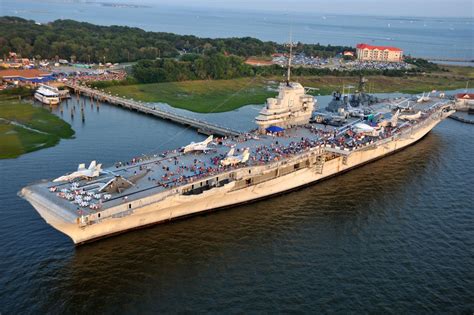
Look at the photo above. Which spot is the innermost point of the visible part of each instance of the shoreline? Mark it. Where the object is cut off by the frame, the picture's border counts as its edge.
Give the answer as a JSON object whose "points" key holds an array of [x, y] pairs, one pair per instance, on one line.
{"points": [[213, 96], [26, 128]]}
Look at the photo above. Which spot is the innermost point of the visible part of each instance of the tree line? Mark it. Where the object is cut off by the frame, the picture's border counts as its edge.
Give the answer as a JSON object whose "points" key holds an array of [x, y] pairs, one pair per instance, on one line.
{"points": [[86, 42], [215, 65]]}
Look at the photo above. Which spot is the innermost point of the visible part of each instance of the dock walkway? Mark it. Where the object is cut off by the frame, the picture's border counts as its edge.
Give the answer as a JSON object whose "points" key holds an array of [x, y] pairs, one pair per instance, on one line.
{"points": [[462, 119], [201, 126]]}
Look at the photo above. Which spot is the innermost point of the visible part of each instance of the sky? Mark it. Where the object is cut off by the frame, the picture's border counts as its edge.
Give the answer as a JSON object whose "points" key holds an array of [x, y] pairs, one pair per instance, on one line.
{"points": [[428, 8]]}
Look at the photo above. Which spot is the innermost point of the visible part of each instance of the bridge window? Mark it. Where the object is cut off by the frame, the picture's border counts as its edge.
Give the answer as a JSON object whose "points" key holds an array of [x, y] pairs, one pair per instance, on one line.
{"points": [[129, 206]]}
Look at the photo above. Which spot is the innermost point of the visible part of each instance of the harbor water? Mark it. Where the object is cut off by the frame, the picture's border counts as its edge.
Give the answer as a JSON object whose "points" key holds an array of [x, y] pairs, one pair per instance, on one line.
{"points": [[394, 236], [433, 37]]}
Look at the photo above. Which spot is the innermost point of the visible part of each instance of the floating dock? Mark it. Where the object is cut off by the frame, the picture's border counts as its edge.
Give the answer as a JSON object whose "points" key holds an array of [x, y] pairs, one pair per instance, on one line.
{"points": [[200, 125]]}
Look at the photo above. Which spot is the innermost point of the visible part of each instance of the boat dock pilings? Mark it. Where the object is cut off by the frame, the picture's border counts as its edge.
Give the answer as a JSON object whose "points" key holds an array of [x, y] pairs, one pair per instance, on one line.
{"points": [[200, 125]]}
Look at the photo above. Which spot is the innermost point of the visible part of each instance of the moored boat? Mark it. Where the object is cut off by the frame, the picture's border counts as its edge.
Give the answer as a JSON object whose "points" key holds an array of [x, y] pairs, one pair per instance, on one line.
{"points": [[47, 94]]}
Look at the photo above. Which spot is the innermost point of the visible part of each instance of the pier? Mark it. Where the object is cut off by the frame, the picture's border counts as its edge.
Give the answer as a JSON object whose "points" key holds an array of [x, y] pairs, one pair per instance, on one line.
{"points": [[460, 118], [201, 126]]}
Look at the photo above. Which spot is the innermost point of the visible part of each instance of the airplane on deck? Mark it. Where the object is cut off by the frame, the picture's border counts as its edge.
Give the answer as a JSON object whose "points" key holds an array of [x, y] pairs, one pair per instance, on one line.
{"points": [[404, 105], [232, 159], [390, 122], [199, 146], [354, 111], [411, 117], [423, 98], [365, 129], [92, 171]]}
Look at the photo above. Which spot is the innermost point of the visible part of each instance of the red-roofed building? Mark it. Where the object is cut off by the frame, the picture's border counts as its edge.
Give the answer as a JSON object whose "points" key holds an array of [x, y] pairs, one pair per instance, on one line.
{"points": [[465, 96], [379, 53], [465, 101]]}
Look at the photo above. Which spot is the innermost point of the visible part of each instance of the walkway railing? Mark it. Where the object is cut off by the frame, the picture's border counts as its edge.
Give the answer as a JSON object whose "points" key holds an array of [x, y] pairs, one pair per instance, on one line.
{"points": [[200, 125]]}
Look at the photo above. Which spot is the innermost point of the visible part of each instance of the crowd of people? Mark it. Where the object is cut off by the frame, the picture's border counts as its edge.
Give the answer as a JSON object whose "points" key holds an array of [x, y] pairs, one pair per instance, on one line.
{"points": [[93, 76], [176, 171]]}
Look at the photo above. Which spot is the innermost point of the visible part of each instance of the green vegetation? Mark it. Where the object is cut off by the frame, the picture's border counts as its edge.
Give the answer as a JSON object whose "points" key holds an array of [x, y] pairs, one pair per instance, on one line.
{"points": [[85, 42], [201, 95], [217, 66], [191, 67], [422, 64], [25, 128], [223, 95], [385, 84]]}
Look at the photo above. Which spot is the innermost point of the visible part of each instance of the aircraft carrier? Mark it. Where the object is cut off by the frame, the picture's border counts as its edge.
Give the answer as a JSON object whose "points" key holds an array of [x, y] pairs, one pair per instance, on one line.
{"points": [[283, 153]]}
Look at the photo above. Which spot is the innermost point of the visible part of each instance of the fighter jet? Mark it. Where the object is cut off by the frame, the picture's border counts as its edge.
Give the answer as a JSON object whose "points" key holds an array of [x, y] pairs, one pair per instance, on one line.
{"points": [[354, 111], [395, 117], [423, 98], [232, 159], [390, 122], [92, 171], [199, 146], [411, 117]]}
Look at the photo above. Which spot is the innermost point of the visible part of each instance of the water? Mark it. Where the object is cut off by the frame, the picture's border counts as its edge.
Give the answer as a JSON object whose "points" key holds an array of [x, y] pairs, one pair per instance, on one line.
{"points": [[455, 63], [419, 36], [394, 236]]}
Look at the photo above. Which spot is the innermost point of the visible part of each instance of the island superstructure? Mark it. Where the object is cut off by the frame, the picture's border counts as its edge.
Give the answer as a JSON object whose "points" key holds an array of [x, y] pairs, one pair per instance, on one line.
{"points": [[292, 107], [285, 152]]}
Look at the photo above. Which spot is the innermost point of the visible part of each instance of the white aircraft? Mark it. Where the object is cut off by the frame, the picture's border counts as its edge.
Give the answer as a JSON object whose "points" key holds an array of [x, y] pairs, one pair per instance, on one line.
{"points": [[411, 117], [361, 127], [402, 106], [355, 112], [232, 159], [365, 129], [93, 170], [199, 146], [423, 98], [392, 122]]}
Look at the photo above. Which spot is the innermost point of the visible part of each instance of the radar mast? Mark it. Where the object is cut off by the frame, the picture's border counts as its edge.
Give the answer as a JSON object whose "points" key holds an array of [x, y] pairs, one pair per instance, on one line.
{"points": [[288, 74]]}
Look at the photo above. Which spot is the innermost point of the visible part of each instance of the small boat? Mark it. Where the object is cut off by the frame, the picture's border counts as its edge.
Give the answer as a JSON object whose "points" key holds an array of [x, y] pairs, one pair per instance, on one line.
{"points": [[47, 95]]}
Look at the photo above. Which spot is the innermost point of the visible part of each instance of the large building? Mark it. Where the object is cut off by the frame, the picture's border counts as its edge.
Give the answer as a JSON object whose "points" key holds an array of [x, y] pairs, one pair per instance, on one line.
{"points": [[465, 102], [379, 53]]}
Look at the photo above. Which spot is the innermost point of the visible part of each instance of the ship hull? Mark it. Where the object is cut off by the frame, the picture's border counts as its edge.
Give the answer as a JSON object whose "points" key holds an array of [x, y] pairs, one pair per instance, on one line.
{"points": [[179, 206]]}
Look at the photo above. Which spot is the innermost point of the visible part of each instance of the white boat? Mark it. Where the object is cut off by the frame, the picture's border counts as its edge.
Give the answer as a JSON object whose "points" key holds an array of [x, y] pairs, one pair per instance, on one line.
{"points": [[47, 95]]}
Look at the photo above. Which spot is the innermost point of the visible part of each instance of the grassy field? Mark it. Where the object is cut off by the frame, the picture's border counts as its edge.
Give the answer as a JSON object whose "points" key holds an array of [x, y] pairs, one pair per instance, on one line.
{"points": [[201, 96], [25, 128], [225, 95]]}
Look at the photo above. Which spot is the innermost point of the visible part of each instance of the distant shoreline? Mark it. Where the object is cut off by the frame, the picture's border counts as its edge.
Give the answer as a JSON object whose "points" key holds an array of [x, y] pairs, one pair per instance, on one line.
{"points": [[435, 37], [452, 62]]}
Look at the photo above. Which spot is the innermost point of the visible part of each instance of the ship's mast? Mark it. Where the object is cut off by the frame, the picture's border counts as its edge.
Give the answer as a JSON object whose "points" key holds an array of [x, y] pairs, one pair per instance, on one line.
{"points": [[288, 74]]}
